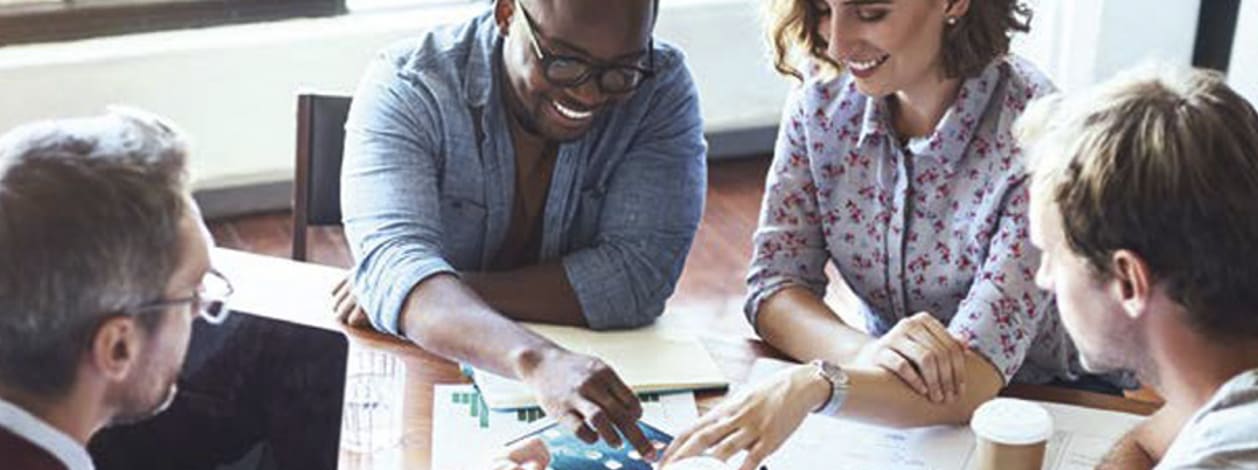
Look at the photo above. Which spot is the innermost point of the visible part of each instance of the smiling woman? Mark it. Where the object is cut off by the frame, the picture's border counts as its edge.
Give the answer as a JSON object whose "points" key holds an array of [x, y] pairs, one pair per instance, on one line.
{"points": [[971, 42], [895, 163]]}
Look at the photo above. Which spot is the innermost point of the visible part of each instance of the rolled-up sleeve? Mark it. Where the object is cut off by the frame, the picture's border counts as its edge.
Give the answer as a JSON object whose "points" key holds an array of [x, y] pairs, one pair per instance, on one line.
{"points": [[651, 210], [788, 248], [1002, 314], [389, 197]]}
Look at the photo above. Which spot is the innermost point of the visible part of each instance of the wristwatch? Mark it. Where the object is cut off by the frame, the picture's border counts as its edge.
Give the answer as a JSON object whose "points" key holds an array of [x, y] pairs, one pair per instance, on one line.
{"points": [[839, 385]]}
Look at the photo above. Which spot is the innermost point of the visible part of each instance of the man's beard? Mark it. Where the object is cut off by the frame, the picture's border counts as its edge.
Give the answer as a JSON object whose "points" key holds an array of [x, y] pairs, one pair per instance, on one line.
{"points": [[138, 413]]}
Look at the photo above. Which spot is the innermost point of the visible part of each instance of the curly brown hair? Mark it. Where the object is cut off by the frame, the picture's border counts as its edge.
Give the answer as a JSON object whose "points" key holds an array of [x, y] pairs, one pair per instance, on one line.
{"points": [[978, 38]]}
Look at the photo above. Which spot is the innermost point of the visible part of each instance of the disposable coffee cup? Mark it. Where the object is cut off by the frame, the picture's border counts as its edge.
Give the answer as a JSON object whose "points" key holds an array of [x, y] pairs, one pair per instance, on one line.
{"points": [[1010, 434]]}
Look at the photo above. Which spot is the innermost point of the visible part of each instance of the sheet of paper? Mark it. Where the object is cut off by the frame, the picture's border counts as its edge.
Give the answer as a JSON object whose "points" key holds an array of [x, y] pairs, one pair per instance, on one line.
{"points": [[1082, 437], [465, 430], [651, 359]]}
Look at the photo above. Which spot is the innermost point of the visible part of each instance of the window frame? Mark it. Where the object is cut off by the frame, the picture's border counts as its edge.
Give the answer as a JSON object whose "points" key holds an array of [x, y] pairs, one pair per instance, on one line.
{"points": [[83, 19]]}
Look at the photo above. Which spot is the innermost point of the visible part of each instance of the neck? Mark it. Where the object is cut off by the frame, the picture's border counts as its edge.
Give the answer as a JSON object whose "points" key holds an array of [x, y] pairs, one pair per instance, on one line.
{"points": [[524, 139], [918, 109], [75, 413], [1191, 367]]}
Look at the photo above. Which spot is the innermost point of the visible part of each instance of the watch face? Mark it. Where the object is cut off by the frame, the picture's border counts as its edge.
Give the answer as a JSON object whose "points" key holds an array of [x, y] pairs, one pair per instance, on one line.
{"points": [[834, 373]]}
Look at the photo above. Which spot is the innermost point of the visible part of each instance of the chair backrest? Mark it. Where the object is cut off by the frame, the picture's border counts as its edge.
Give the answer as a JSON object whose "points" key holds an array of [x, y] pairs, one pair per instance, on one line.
{"points": [[317, 186]]}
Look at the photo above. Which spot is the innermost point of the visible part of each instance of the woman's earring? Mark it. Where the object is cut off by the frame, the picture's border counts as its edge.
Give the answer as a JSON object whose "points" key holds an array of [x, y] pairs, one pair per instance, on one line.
{"points": [[951, 20]]}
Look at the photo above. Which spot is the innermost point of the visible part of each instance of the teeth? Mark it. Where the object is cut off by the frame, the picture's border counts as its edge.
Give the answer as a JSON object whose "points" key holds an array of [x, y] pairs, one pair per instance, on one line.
{"points": [[862, 65], [572, 113]]}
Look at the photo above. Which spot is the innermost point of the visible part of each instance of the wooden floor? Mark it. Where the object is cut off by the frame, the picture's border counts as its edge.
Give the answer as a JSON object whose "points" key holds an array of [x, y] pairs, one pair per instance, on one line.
{"points": [[710, 293]]}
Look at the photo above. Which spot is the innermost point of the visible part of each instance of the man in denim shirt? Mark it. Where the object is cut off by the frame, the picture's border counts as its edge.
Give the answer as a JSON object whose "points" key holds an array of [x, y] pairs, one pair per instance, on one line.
{"points": [[542, 162]]}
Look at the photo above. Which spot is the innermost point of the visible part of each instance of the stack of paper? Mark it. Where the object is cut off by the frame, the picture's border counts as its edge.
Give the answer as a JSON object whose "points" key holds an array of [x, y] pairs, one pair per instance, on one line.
{"points": [[651, 359], [1081, 439]]}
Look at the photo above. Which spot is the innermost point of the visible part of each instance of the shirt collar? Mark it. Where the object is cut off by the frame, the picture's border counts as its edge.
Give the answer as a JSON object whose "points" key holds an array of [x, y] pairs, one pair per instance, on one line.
{"points": [[955, 130], [41, 434], [478, 78]]}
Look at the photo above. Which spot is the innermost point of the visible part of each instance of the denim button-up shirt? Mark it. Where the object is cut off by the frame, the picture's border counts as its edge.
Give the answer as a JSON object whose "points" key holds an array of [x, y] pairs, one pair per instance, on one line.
{"points": [[429, 174], [939, 225]]}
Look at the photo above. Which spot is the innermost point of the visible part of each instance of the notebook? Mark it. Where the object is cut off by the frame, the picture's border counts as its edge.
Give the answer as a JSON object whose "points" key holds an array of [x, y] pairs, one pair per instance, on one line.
{"points": [[651, 359]]}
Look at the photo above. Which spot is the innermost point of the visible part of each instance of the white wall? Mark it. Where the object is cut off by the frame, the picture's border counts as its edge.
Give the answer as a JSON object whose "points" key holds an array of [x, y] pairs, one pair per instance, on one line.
{"points": [[1243, 68], [1081, 42], [231, 88]]}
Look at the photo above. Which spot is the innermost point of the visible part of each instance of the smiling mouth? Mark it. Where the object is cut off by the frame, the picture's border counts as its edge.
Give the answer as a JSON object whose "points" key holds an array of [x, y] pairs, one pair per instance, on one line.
{"points": [[570, 113], [867, 65]]}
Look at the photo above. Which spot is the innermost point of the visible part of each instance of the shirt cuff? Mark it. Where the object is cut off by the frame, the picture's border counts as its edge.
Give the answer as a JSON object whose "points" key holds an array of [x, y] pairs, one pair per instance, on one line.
{"points": [[384, 285], [763, 290], [606, 299], [998, 328]]}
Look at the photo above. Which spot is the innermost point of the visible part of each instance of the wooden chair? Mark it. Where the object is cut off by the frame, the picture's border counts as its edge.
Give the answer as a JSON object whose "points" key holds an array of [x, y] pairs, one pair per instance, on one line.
{"points": [[317, 186]]}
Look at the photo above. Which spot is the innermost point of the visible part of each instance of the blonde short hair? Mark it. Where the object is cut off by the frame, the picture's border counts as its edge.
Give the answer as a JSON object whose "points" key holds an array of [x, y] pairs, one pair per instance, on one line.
{"points": [[1162, 161]]}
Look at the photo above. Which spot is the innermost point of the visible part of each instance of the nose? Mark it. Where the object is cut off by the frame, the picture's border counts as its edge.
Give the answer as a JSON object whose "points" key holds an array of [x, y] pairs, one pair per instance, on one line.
{"points": [[587, 94], [829, 29], [843, 36]]}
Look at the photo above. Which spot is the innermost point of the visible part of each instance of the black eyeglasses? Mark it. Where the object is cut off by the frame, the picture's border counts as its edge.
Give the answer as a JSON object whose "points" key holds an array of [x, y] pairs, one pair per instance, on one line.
{"points": [[567, 71], [210, 299]]}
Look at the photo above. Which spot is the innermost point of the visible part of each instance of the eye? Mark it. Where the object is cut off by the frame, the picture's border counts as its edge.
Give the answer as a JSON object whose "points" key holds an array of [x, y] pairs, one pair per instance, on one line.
{"points": [[821, 8], [870, 15]]}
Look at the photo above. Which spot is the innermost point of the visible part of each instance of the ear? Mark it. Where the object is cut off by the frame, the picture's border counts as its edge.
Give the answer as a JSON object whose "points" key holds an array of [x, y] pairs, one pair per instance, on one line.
{"points": [[956, 8], [1132, 280], [115, 348], [504, 11]]}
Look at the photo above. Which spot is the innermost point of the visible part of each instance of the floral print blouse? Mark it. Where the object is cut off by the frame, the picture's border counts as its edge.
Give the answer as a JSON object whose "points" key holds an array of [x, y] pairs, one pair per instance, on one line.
{"points": [[938, 225]]}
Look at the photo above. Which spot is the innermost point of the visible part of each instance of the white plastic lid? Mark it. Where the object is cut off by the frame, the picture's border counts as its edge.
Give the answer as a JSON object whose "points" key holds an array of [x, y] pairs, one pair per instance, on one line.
{"points": [[1012, 422], [698, 463]]}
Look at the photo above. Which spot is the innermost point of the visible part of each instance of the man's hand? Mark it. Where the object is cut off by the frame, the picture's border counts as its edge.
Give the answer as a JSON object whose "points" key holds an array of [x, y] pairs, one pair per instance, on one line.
{"points": [[921, 352], [584, 395], [346, 307]]}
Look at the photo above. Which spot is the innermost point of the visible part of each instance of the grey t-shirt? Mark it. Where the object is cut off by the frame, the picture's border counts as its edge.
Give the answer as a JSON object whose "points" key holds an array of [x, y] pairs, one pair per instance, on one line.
{"points": [[1224, 433]]}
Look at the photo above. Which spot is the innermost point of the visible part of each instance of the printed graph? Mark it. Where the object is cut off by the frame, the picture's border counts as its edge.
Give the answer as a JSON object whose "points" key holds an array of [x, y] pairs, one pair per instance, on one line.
{"points": [[478, 411]]}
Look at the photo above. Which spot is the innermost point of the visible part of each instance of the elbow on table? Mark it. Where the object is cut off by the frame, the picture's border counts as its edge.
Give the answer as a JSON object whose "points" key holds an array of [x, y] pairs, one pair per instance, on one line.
{"points": [[628, 313]]}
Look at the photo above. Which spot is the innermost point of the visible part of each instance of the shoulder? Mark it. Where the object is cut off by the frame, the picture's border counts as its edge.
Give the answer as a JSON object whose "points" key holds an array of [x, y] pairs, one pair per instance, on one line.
{"points": [[440, 56], [1223, 434], [672, 78], [1019, 82], [827, 102]]}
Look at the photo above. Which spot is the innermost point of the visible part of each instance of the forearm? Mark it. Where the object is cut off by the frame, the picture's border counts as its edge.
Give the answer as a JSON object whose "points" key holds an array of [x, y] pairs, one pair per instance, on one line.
{"points": [[539, 293], [878, 396], [800, 324], [1144, 446], [1127, 454], [445, 316]]}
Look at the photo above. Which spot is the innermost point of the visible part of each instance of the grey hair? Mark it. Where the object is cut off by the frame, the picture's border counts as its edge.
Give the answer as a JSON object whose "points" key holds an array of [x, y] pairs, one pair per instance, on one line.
{"points": [[89, 228]]}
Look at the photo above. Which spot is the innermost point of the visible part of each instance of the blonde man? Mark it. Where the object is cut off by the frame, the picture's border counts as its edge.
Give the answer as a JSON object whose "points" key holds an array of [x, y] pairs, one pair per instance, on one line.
{"points": [[1145, 204]]}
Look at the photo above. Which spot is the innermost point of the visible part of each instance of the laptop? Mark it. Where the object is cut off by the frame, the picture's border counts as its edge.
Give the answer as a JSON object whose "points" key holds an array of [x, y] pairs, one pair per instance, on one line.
{"points": [[255, 393]]}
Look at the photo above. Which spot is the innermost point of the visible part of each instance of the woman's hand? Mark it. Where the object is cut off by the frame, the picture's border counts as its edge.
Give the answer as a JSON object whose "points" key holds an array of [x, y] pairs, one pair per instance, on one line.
{"points": [[757, 420], [529, 454], [921, 352]]}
